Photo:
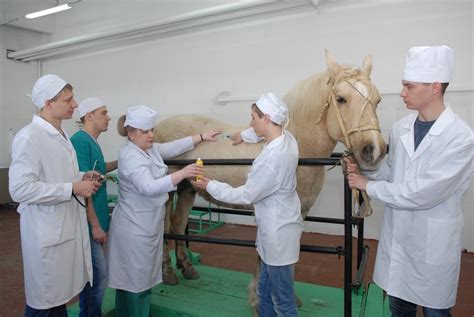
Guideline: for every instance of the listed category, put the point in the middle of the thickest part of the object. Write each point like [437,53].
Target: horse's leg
[252,289]
[169,276]
[186,195]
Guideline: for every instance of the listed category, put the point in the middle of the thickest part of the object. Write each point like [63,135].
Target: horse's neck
[307,118]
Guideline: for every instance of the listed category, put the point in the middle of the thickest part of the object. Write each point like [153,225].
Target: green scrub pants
[128,304]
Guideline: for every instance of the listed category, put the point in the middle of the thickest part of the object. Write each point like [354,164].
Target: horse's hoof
[299,303]
[170,279]
[190,273]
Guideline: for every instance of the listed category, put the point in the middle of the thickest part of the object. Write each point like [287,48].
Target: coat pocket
[57,225]
[149,222]
[444,240]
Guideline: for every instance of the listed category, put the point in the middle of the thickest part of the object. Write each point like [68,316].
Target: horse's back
[181,126]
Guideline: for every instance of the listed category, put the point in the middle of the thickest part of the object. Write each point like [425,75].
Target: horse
[338,105]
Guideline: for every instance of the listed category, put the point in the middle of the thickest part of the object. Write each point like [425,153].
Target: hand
[85,188]
[210,135]
[92,175]
[99,235]
[350,166]
[192,170]
[357,181]
[236,138]
[202,184]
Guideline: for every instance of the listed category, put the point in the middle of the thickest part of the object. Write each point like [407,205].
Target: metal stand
[348,222]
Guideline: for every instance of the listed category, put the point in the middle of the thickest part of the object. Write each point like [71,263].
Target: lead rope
[360,209]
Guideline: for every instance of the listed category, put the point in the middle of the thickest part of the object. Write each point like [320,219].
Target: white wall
[16,80]
[182,73]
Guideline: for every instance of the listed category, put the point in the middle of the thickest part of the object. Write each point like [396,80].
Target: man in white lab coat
[271,188]
[428,169]
[44,178]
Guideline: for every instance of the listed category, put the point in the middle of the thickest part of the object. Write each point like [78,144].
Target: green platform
[222,293]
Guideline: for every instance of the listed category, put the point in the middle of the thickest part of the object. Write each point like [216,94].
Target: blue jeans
[59,311]
[275,291]
[90,299]
[402,308]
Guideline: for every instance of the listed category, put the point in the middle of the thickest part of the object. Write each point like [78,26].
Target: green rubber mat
[222,293]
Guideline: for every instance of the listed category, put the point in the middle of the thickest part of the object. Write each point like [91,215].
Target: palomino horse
[338,105]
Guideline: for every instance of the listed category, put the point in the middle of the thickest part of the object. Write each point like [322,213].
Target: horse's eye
[340,99]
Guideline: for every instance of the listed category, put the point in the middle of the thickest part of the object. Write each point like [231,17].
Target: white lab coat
[271,188]
[418,257]
[135,245]
[54,234]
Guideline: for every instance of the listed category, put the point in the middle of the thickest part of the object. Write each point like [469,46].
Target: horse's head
[351,111]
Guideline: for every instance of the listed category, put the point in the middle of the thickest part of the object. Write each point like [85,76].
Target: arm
[110,166]
[141,177]
[435,184]
[247,135]
[24,183]
[178,147]
[259,185]
[98,233]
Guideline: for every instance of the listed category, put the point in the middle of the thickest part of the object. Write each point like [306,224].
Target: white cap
[429,64]
[274,106]
[89,105]
[45,88]
[140,117]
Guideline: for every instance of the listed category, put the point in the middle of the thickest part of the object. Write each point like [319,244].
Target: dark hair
[67,87]
[260,114]
[122,129]
[443,87]
[257,110]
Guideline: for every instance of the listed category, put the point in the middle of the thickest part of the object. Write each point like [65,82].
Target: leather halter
[364,209]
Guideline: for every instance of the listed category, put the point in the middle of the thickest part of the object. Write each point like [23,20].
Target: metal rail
[348,222]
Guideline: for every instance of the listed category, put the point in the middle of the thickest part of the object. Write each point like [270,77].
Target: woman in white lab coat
[135,247]
[427,171]
[271,188]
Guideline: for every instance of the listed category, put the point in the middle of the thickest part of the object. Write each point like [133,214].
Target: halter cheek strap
[364,209]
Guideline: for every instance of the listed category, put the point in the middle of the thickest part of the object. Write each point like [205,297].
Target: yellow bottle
[199,162]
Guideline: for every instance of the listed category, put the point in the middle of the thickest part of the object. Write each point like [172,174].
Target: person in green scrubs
[95,120]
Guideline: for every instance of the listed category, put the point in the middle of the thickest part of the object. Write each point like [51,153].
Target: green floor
[222,293]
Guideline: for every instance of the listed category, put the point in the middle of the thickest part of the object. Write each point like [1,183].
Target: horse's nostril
[368,153]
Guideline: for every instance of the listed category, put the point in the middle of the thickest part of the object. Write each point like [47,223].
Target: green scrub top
[88,152]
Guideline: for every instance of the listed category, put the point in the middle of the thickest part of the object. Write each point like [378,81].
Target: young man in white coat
[44,178]
[428,169]
[135,247]
[271,189]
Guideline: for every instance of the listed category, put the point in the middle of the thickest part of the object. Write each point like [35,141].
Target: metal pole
[360,241]
[348,249]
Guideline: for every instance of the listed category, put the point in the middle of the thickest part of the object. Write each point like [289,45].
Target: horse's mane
[307,101]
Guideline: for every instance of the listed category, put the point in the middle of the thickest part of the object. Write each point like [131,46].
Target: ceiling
[99,15]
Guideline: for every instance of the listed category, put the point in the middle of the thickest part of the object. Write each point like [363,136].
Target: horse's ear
[367,64]
[333,66]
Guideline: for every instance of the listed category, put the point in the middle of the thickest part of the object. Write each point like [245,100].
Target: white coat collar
[444,120]
[134,146]
[277,141]
[48,126]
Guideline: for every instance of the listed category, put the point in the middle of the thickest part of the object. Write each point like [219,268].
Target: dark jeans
[401,308]
[59,311]
[90,299]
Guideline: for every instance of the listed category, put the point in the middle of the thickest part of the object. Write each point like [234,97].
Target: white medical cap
[274,106]
[140,117]
[429,64]
[89,105]
[45,88]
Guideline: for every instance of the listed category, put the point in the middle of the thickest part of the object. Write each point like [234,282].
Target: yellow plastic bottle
[199,162]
